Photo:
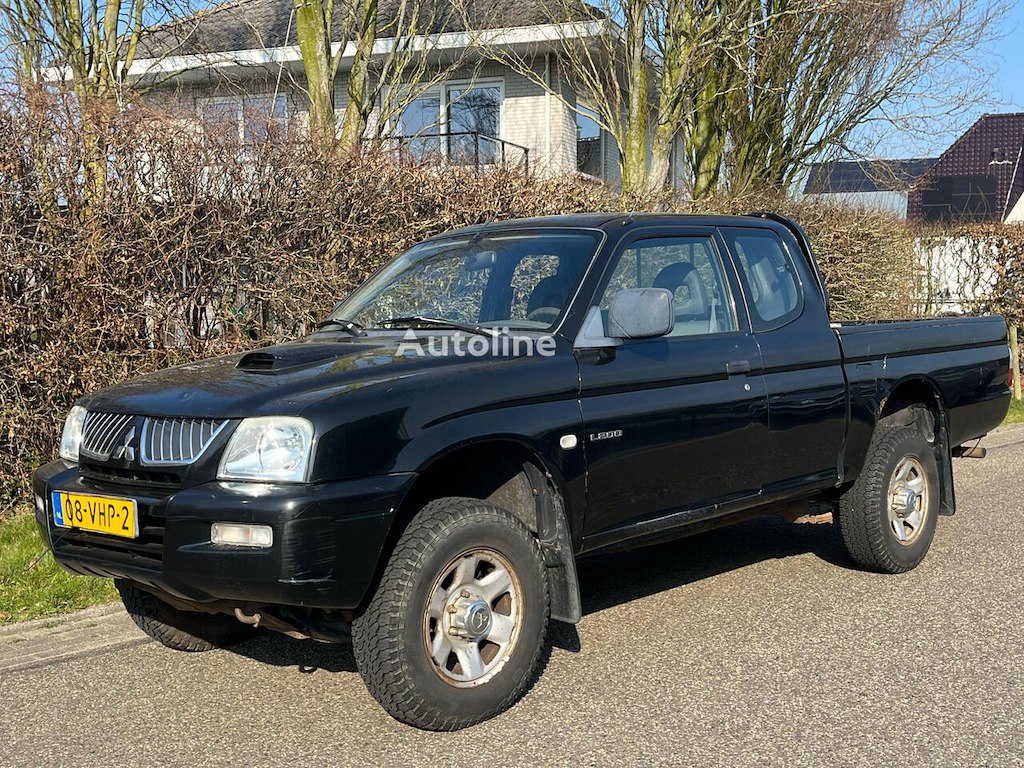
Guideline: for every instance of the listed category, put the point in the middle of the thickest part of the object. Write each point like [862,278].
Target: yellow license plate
[101,514]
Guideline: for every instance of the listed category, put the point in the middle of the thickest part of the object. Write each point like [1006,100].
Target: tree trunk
[633,155]
[357,111]
[705,136]
[97,106]
[661,158]
[313,30]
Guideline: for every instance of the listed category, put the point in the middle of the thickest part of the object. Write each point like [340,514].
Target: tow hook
[253,620]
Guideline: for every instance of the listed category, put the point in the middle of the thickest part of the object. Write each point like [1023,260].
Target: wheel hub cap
[471,617]
[908,500]
[905,502]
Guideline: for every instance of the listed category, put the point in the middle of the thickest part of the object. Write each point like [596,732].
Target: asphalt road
[758,645]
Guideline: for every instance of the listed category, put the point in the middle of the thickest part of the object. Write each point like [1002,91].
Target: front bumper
[328,538]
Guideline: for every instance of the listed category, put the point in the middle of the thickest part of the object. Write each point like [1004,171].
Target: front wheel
[180,630]
[888,516]
[454,634]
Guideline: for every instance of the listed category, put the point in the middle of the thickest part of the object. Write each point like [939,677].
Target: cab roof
[609,220]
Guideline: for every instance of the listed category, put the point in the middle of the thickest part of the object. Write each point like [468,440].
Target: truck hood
[278,380]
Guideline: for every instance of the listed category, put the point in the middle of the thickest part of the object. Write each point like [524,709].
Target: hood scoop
[257,362]
[275,359]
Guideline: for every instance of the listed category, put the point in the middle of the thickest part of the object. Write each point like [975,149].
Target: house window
[473,114]
[589,154]
[251,118]
[419,126]
[468,116]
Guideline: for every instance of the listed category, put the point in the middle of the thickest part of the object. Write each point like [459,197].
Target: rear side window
[769,276]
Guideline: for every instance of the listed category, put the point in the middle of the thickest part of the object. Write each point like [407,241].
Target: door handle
[737,366]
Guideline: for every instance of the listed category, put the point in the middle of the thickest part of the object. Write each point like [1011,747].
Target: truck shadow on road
[613,579]
[307,656]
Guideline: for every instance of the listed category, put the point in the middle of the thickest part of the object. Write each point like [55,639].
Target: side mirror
[641,313]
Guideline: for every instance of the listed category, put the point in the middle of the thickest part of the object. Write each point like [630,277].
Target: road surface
[758,645]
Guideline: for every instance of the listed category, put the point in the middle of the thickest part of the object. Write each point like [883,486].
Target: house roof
[865,176]
[992,148]
[264,24]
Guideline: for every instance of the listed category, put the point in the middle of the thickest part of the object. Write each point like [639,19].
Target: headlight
[71,439]
[269,449]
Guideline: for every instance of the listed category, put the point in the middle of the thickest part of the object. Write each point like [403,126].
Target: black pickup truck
[421,473]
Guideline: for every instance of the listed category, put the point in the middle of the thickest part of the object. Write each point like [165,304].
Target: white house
[238,65]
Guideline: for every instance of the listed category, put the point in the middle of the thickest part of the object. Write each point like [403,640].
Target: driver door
[677,425]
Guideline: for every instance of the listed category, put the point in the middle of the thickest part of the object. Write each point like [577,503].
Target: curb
[41,642]
[49,622]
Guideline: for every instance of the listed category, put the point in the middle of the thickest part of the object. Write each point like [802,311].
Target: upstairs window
[251,118]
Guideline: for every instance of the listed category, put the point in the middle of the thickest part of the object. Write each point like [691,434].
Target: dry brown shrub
[866,256]
[990,263]
[198,248]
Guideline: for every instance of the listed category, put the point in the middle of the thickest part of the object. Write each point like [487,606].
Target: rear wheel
[181,630]
[888,516]
[454,634]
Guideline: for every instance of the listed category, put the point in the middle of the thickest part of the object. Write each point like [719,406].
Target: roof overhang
[536,38]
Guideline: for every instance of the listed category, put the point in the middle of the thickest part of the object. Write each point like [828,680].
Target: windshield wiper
[346,325]
[439,322]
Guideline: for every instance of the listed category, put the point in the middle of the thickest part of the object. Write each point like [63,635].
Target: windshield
[521,280]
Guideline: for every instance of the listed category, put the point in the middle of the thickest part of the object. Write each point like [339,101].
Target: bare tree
[606,55]
[811,80]
[756,89]
[651,71]
[358,108]
[88,46]
[405,65]
[314,26]
[391,60]
[23,34]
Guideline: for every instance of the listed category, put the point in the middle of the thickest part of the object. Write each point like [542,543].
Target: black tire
[181,630]
[867,530]
[390,638]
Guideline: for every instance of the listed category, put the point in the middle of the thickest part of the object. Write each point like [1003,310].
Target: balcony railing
[460,148]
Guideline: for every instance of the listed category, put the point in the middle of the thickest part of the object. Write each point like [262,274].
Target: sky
[1009,59]
[1004,57]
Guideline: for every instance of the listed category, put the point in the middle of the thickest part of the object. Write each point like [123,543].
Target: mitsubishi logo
[125,450]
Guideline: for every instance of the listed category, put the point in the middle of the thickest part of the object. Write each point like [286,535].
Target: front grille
[101,432]
[177,441]
[130,475]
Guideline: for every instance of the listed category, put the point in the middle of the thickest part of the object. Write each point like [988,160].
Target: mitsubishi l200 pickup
[420,475]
